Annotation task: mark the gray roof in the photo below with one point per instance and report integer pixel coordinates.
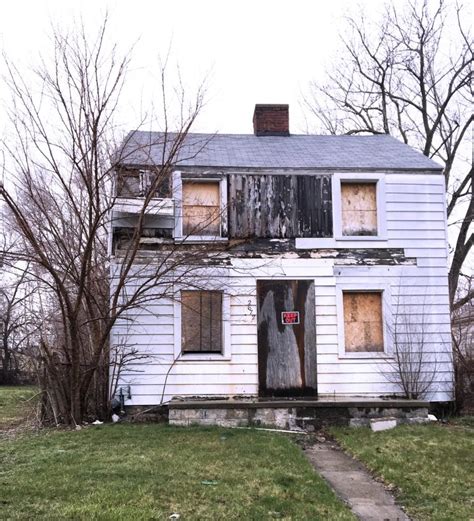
(367, 152)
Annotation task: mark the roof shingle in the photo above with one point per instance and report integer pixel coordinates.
(369, 152)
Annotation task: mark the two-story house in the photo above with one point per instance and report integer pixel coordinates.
(331, 276)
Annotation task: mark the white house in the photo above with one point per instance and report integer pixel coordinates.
(330, 278)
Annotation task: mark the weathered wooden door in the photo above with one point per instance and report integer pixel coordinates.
(286, 338)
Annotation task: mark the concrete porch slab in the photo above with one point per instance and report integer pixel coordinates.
(277, 403)
(293, 414)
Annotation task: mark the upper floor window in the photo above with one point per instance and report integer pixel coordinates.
(359, 208)
(136, 182)
(201, 208)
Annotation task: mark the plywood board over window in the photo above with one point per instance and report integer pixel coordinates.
(363, 326)
(359, 208)
(201, 321)
(201, 208)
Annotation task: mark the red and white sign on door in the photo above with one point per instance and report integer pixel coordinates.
(290, 317)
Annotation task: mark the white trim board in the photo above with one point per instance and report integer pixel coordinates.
(379, 179)
(177, 187)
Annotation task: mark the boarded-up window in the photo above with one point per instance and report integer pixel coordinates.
(359, 208)
(201, 208)
(363, 328)
(201, 321)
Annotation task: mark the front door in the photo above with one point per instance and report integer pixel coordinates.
(286, 338)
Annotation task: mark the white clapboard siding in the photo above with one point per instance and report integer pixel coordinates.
(140, 398)
(196, 388)
(145, 339)
(425, 252)
(415, 221)
(360, 388)
(142, 327)
(418, 292)
(407, 197)
(408, 206)
(410, 226)
(358, 378)
(406, 276)
(405, 189)
(197, 367)
(328, 363)
(176, 378)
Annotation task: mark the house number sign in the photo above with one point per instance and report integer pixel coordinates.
(290, 317)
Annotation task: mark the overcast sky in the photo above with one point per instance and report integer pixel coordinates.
(252, 51)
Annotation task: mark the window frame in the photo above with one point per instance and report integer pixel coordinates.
(177, 193)
(144, 177)
(387, 319)
(225, 354)
(206, 297)
(379, 180)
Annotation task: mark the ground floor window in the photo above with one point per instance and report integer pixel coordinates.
(363, 321)
(201, 322)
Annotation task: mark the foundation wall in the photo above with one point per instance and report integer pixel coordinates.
(304, 418)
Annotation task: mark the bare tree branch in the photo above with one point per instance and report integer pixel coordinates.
(409, 75)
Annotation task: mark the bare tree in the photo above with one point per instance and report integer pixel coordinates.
(59, 191)
(463, 349)
(409, 75)
(16, 322)
(413, 368)
(14, 326)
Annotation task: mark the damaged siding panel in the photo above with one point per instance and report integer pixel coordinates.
(314, 203)
(280, 206)
(359, 209)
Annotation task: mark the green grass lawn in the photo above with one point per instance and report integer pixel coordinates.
(134, 472)
(150, 471)
(430, 465)
(15, 404)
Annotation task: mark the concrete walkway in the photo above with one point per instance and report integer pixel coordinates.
(367, 498)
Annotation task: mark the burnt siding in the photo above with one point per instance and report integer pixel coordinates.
(314, 206)
(280, 206)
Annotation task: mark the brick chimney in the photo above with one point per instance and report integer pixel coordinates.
(271, 120)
